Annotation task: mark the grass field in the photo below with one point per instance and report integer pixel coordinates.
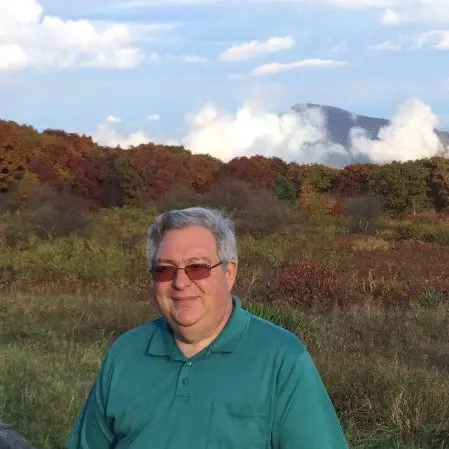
(381, 342)
(387, 371)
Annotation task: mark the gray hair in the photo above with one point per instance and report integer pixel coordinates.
(212, 219)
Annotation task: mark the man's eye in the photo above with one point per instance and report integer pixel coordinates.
(197, 266)
(162, 268)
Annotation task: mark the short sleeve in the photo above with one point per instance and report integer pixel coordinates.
(304, 416)
(92, 428)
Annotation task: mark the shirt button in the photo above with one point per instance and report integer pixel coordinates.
(189, 363)
(185, 381)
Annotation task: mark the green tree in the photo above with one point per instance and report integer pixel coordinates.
(285, 189)
(403, 185)
(439, 183)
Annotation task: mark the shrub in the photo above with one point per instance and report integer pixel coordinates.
(309, 284)
(364, 211)
(45, 212)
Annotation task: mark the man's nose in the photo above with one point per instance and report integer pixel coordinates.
(181, 280)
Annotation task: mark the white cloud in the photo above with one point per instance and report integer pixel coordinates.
(275, 67)
(386, 46)
(109, 136)
(299, 136)
(113, 119)
(28, 37)
(411, 135)
(12, 57)
(255, 48)
(390, 18)
(438, 39)
(253, 130)
(18, 13)
(153, 117)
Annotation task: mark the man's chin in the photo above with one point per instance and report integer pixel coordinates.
(185, 319)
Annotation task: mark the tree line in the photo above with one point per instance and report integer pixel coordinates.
(169, 175)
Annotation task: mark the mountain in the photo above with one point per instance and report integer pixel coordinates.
(340, 122)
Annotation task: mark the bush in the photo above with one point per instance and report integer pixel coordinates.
(364, 211)
(309, 284)
(255, 210)
(45, 212)
(426, 231)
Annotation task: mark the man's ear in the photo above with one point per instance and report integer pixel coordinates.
(231, 273)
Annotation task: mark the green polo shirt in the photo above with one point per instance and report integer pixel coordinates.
(254, 387)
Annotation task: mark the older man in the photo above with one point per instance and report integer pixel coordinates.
(206, 374)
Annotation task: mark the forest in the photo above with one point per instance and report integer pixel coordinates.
(102, 177)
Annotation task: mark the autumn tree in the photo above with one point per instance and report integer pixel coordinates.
(403, 185)
(259, 171)
(353, 180)
(439, 183)
(319, 177)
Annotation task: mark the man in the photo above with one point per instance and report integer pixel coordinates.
(206, 374)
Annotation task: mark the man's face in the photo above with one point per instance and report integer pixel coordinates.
(198, 305)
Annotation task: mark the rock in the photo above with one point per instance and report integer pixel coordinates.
(11, 439)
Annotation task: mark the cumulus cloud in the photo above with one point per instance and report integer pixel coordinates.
(302, 136)
(253, 130)
(276, 67)
(256, 48)
(28, 37)
(12, 57)
(153, 117)
(106, 134)
(390, 18)
(410, 135)
(296, 136)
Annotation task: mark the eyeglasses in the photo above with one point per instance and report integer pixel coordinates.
(194, 271)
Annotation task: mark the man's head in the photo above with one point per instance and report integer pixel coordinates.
(195, 301)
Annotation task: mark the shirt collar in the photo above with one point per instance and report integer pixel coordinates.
(162, 342)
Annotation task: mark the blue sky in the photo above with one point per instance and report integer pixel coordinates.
(127, 71)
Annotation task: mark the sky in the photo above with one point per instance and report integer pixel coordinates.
(220, 76)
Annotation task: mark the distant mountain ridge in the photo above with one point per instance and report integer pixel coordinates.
(340, 122)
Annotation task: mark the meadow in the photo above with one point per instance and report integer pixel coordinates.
(371, 303)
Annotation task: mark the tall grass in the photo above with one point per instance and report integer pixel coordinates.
(387, 371)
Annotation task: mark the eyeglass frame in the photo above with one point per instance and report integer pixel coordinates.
(175, 270)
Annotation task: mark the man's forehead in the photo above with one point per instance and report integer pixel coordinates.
(188, 243)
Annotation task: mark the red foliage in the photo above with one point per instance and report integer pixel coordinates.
(430, 215)
(309, 283)
(335, 209)
(258, 171)
(354, 179)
